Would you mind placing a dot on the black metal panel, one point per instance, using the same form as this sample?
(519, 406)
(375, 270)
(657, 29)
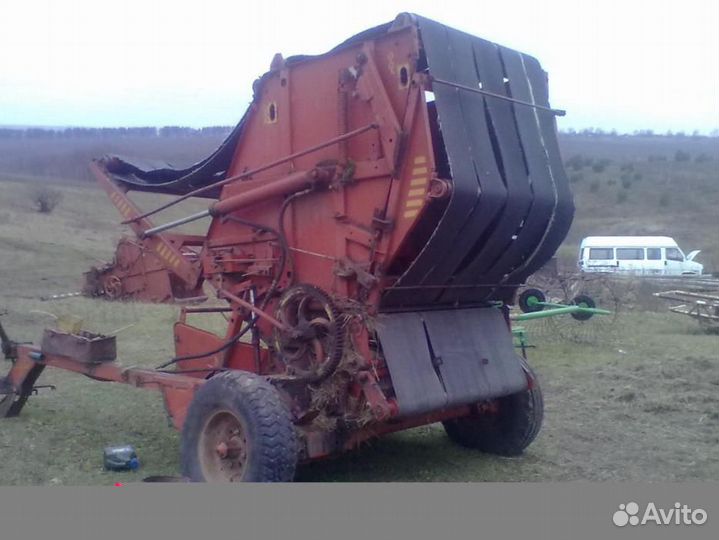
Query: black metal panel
(465, 191)
(405, 348)
(439, 359)
(472, 123)
(540, 174)
(510, 206)
(475, 354)
(564, 211)
(490, 259)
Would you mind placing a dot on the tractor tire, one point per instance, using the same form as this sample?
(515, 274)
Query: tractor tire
(238, 429)
(508, 430)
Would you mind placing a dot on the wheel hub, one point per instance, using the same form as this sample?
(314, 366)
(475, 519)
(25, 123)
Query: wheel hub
(223, 448)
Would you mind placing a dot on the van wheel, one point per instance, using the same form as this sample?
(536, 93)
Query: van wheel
(238, 430)
(505, 426)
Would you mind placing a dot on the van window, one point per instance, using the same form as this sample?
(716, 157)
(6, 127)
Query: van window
(630, 254)
(601, 253)
(654, 254)
(673, 254)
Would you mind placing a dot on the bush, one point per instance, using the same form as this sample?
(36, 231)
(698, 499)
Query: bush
(594, 186)
(576, 162)
(680, 155)
(621, 197)
(637, 176)
(702, 158)
(627, 167)
(626, 183)
(657, 157)
(46, 199)
(665, 199)
(576, 177)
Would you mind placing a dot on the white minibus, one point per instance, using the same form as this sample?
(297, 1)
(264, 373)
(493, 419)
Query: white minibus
(644, 255)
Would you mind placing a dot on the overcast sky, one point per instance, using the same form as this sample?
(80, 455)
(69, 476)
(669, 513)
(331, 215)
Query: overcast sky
(626, 64)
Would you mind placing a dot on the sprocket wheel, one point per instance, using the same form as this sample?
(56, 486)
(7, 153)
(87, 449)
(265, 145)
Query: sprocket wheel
(113, 287)
(312, 346)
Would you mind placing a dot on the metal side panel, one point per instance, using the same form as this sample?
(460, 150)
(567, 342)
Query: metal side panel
(475, 354)
(440, 359)
(491, 261)
(540, 173)
(415, 381)
(480, 227)
(564, 211)
(465, 192)
(510, 205)
(510, 156)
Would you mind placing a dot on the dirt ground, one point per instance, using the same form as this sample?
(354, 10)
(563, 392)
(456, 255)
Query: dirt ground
(640, 403)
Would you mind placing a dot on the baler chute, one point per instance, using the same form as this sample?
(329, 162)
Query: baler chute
(375, 211)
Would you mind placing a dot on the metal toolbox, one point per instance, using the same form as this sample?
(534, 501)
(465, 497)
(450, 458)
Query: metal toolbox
(83, 346)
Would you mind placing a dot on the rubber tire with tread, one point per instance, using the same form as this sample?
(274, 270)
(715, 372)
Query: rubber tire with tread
(508, 432)
(271, 436)
(523, 300)
(585, 301)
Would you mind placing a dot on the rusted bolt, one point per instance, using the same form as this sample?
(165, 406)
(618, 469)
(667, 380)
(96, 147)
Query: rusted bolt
(222, 450)
(439, 188)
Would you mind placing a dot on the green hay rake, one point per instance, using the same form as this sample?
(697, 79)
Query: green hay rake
(581, 310)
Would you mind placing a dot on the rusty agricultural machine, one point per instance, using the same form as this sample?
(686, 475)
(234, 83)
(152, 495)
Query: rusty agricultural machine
(372, 216)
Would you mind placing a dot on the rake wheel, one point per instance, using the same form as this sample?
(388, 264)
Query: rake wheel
(590, 290)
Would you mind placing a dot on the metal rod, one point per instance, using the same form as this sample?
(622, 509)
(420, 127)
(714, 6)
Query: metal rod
(558, 311)
(176, 223)
(262, 168)
(558, 112)
(222, 293)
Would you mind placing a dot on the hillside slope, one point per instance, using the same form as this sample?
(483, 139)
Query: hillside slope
(638, 185)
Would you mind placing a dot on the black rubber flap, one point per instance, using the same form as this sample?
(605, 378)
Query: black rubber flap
(142, 175)
(510, 206)
(440, 359)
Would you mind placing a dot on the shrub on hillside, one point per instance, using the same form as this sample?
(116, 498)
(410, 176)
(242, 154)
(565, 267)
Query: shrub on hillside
(680, 155)
(46, 199)
(702, 158)
(576, 177)
(665, 199)
(576, 162)
(594, 186)
(621, 197)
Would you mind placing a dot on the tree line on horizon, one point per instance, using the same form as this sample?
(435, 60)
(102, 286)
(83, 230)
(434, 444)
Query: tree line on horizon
(185, 131)
(107, 132)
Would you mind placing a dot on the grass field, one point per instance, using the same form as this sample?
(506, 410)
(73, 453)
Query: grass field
(645, 186)
(642, 404)
(647, 412)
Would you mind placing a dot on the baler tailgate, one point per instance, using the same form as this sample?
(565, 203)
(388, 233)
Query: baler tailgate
(510, 206)
(440, 359)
